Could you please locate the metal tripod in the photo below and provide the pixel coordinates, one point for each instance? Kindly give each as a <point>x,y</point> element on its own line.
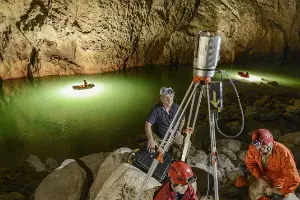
<point>199,83</point>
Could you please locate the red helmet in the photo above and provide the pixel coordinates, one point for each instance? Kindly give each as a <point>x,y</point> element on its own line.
<point>181,173</point>
<point>262,137</point>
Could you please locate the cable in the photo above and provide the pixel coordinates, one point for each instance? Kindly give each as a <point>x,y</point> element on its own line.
<point>243,120</point>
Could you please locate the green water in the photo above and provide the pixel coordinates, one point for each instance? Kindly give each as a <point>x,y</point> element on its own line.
<point>46,117</point>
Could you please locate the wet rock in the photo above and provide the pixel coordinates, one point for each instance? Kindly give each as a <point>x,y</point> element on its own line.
<point>273,83</point>
<point>36,163</point>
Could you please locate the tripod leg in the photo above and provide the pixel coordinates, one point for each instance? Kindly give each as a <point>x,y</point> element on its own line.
<point>190,130</point>
<point>213,145</point>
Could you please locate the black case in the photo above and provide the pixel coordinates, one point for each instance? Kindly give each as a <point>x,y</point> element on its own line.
<point>143,160</point>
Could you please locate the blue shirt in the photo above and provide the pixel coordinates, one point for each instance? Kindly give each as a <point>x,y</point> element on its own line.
<point>161,119</point>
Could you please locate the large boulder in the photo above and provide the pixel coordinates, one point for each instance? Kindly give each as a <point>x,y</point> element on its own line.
<point>94,161</point>
<point>125,182</point>
<point>225,163</point>
<point>110,164</point>
<point>67,182</point>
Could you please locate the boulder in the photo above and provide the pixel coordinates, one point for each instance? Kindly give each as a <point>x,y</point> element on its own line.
<point>290,138</point>
<point>225,163</point>
<point>257,189</point>
<point>233,145</point>
<point>197,157</point>
<point>34,162</point>
<point>94,161</point>
<point>125,182</point>
<point>242,155</point>
<point>68,182</point>
<point>110,164</point>
<point>12,196</point>
<point>250,110</point>
<point>51,163</point>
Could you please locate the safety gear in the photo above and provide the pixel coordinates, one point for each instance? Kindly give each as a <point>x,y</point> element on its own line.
<point>280,169</point>
<point>166,90</point>
<point>181,173</point>
<point>166,193</point>
<point>262,137</point>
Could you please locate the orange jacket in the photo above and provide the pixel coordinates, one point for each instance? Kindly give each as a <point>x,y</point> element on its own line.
<point>280,170</point>
<point>166,193</point>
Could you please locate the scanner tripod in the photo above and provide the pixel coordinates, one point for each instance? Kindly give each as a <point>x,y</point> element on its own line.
<point>203,85</point>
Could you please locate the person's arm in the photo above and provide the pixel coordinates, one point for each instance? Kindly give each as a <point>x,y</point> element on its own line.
<point>291,174</point>
<point>181,125</point>
<point>148,129</point>
<point>251,164</point>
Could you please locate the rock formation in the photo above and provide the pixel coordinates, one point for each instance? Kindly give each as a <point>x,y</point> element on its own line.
<point>55,37</point>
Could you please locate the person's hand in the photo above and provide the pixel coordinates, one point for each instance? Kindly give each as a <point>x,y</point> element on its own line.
<point>263,180</point>
<point>276,190</point>
<point>151,146</point>
<point>177,134</point>
<point>268,191</point>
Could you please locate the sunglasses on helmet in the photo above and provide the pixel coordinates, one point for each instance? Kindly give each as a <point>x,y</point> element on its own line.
<point>166,90</point>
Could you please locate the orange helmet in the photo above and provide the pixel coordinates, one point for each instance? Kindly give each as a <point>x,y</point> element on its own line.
<point>181,173</point>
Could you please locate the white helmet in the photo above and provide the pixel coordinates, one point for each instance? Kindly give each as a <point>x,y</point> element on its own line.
<point>166,90</point>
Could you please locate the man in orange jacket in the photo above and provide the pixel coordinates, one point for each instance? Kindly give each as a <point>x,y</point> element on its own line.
<point>272,162</point>
<point>179,187</point>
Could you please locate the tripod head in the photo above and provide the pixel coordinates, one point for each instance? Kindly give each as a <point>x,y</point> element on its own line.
<point>206,54</point>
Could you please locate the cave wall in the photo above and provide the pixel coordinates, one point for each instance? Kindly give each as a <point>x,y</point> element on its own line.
<point>62,37</point>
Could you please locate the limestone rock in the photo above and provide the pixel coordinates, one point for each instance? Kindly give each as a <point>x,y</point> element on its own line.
<point>290,138</point>
<point>225,163</point>
<point>198,157</point>
<point>68,182</point>
<point>61,38</point>
<point>242,155</point>
<point>36,163</point>
<point>94,161</point>
<point>125,183</point>
<point>110,164</point>
<point>51,163</point>
<point>233,145</point>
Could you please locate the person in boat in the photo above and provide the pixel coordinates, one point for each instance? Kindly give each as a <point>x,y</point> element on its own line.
<point>243,74</point>
<point>85,83</point>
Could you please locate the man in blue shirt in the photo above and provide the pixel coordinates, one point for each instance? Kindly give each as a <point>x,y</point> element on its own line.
<point>161,117</point>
